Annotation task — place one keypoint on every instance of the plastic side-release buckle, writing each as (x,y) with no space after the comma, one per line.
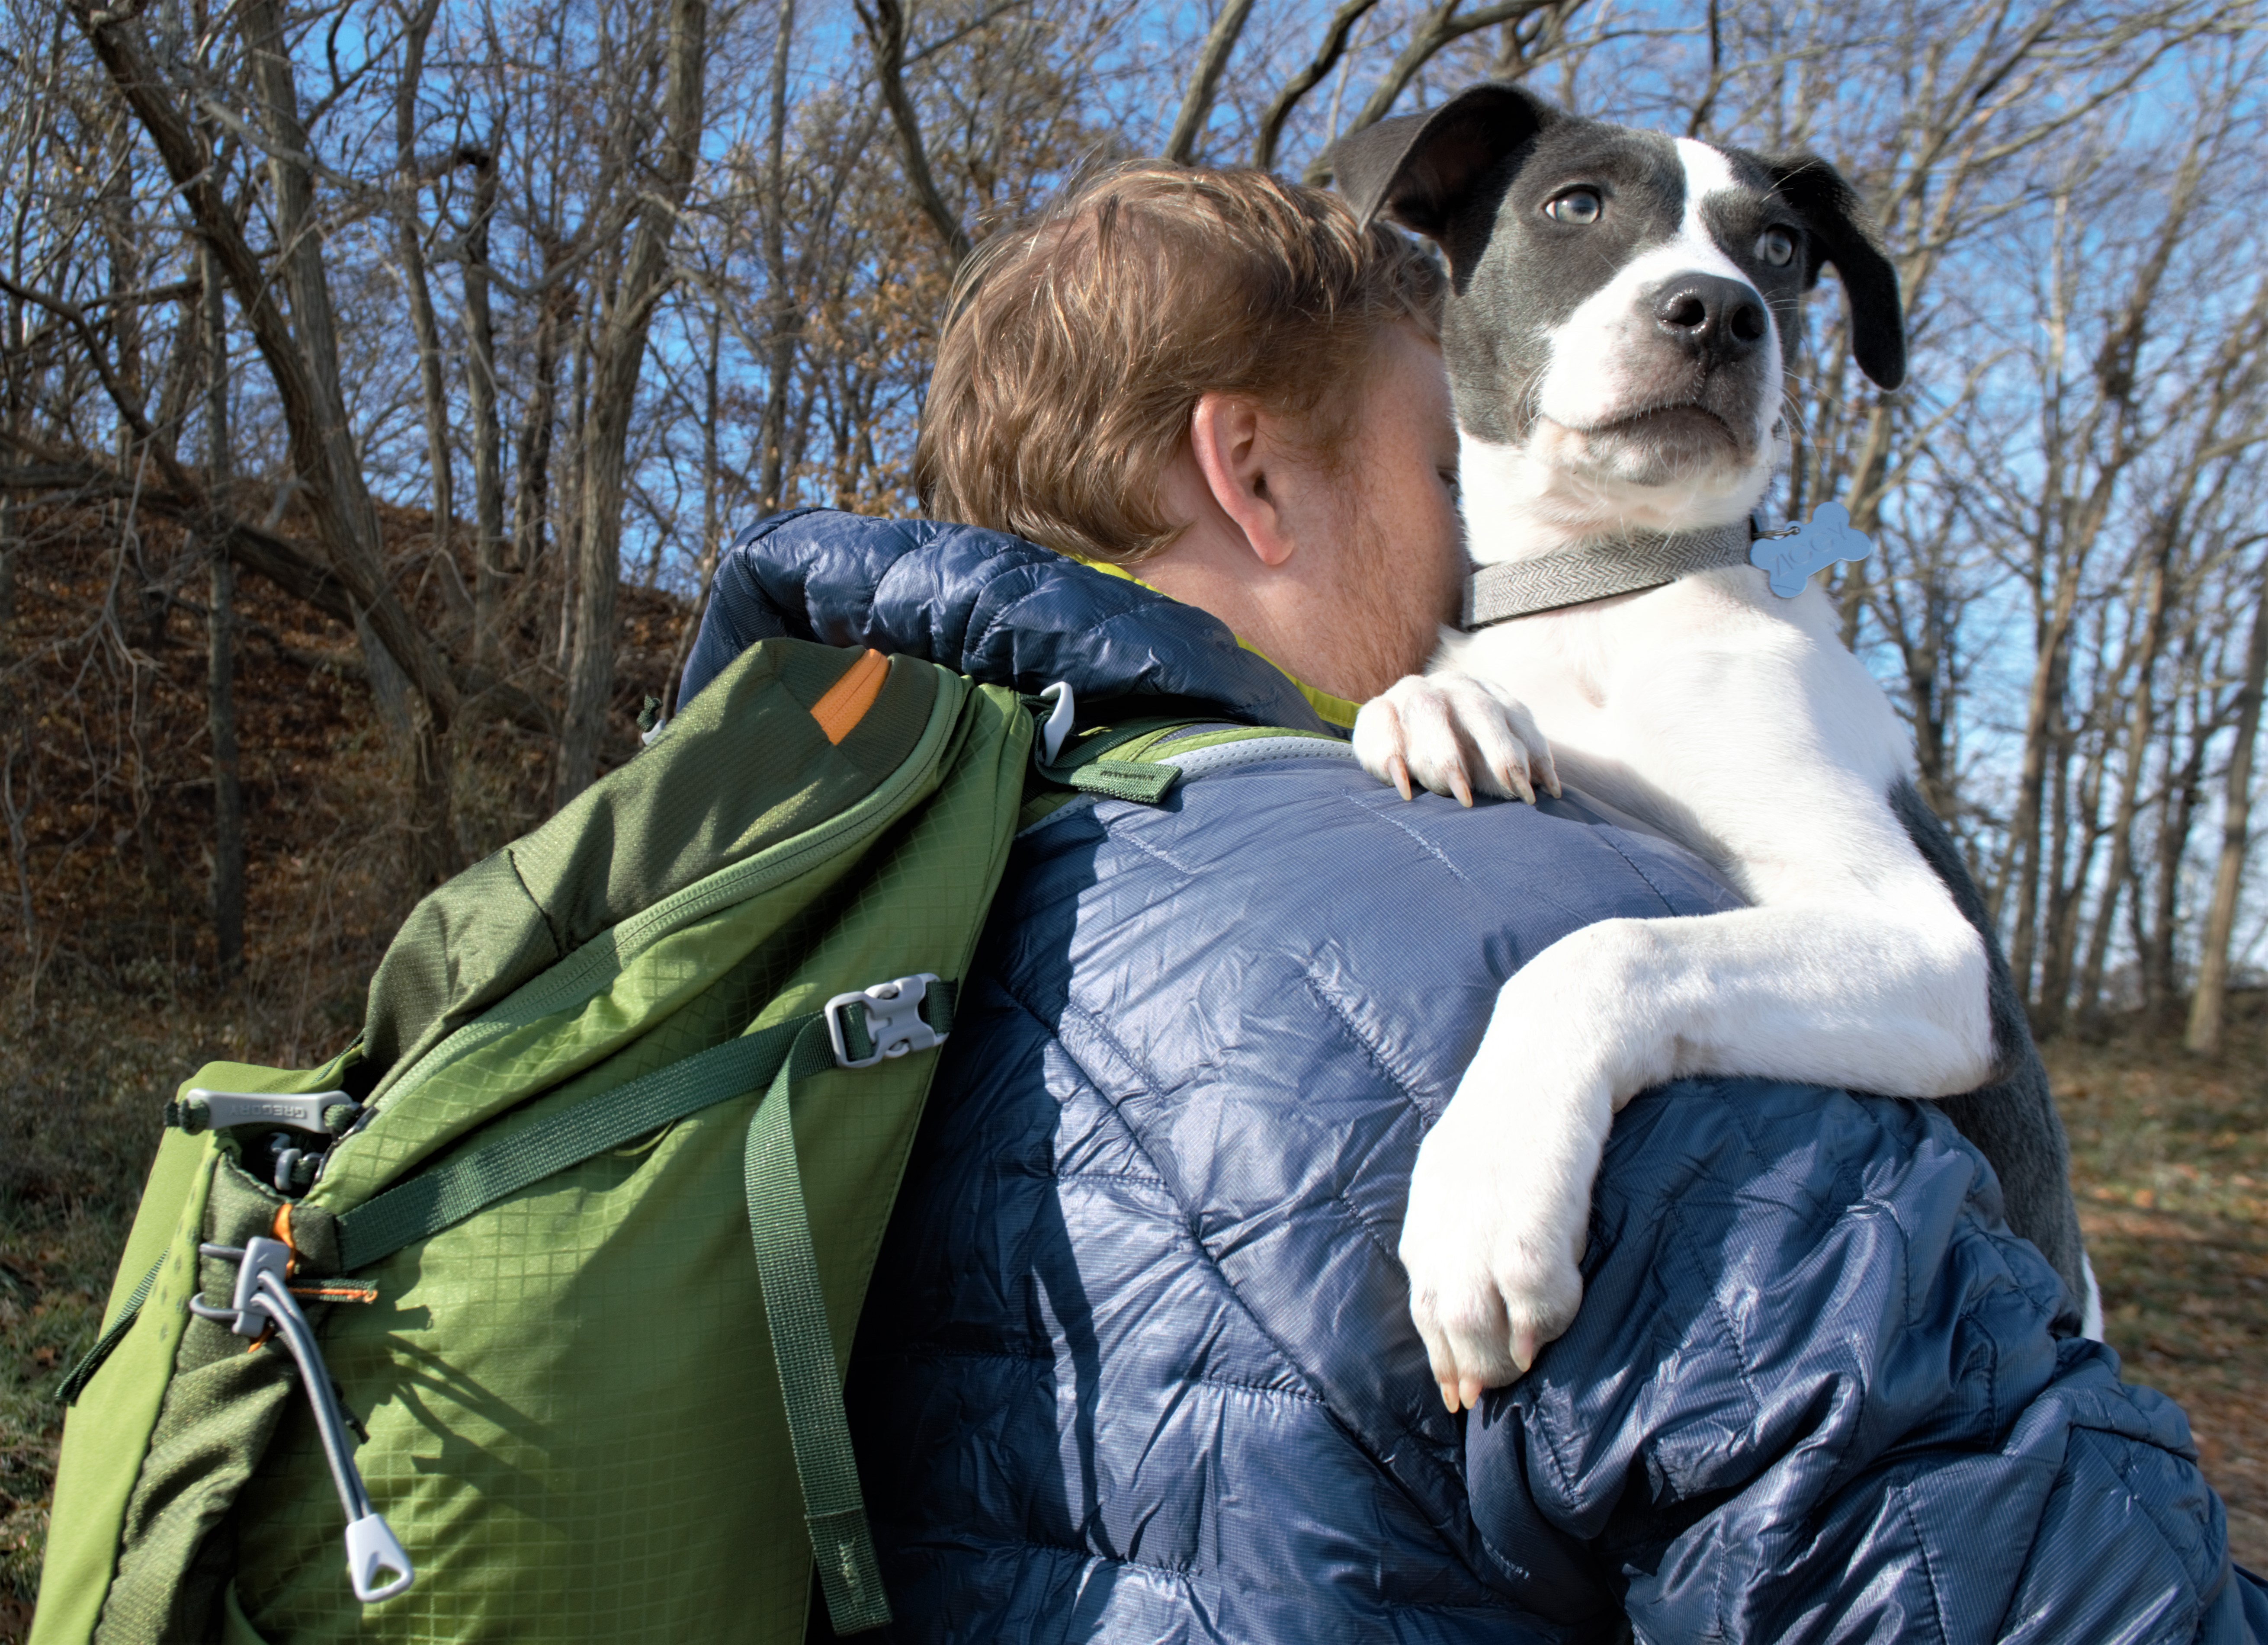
(893,1020)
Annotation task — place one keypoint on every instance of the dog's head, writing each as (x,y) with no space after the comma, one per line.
(1623,306)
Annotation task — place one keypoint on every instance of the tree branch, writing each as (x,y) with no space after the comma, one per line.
(1442,27)
(886,27)
(1319,68)
(1197,102)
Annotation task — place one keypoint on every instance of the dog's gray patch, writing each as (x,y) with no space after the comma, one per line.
(2012,1121)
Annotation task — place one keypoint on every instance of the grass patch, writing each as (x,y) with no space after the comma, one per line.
(2170,1159)
(80,1090)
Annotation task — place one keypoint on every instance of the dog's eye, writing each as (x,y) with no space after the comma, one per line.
(1578,206)
(1776,247)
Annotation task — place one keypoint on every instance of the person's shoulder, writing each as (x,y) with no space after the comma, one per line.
(829,545)
(1303,810)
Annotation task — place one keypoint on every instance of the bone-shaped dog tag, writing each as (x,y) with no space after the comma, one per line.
(1789,560)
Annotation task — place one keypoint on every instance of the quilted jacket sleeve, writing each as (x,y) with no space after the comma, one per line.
(1812,1395)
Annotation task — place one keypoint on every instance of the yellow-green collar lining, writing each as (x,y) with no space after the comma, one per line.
(1332,710)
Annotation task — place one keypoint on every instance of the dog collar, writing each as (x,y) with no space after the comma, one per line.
(1599,571)
(1626,565)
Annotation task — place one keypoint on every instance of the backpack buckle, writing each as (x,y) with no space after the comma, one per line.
(892,1021)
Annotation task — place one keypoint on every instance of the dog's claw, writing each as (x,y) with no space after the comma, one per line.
(1468,1389)
(1453,734)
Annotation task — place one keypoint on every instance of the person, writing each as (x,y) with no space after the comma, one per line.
(1137,1363)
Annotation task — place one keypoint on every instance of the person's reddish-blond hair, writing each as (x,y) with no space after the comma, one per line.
(1078,345)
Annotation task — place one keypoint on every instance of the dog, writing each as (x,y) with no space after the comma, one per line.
(1622,318)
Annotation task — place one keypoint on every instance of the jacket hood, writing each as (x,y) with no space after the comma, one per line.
(996,608)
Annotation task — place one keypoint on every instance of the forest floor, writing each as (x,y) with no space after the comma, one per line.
(2170,1159)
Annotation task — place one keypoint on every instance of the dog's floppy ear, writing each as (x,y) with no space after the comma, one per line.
(1841,233)
(1416,168)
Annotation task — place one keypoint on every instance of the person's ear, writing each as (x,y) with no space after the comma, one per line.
(1243,469)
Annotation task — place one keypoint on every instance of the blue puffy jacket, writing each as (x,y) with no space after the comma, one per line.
(1137,1363)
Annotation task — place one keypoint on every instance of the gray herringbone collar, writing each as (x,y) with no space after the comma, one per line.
(1599,571)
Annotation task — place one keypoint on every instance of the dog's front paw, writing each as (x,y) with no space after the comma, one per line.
(1454,734)
(1491,1256)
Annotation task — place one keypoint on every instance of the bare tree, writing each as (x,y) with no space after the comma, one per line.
(2209,1006)
(220,624)
(617,354)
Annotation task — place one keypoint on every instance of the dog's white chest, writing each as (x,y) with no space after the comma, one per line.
(1708,665)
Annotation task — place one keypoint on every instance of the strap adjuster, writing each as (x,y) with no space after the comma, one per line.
(891,1020)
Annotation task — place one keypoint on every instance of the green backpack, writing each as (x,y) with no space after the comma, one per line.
(510,1228)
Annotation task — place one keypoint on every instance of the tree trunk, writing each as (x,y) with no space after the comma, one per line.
(780,366)
(410,247)
(618,352)
(2045,700)
(480,395)
(2161,983)
(578,430)
(306,363)
(532,461)
(712,515)
(1197,102)
(2046,1001)
(886,29)
(2208,1007)
(10,543)
(220,649)
(2065,907)
(2123,819)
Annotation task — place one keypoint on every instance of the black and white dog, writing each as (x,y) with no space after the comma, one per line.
(1622,317)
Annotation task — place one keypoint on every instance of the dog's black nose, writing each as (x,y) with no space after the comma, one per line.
(1718,319)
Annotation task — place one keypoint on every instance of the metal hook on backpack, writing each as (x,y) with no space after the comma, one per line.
(263,1301)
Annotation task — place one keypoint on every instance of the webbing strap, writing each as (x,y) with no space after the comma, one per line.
(802,1347)
(83,1373)
(459,1188)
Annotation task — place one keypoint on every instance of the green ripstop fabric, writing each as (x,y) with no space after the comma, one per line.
(471,1181)
(575,1419)
(219,1411)
(108,1448)
(752,768)
(112,1334)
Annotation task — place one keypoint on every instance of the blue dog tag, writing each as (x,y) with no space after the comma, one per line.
(1791,559)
